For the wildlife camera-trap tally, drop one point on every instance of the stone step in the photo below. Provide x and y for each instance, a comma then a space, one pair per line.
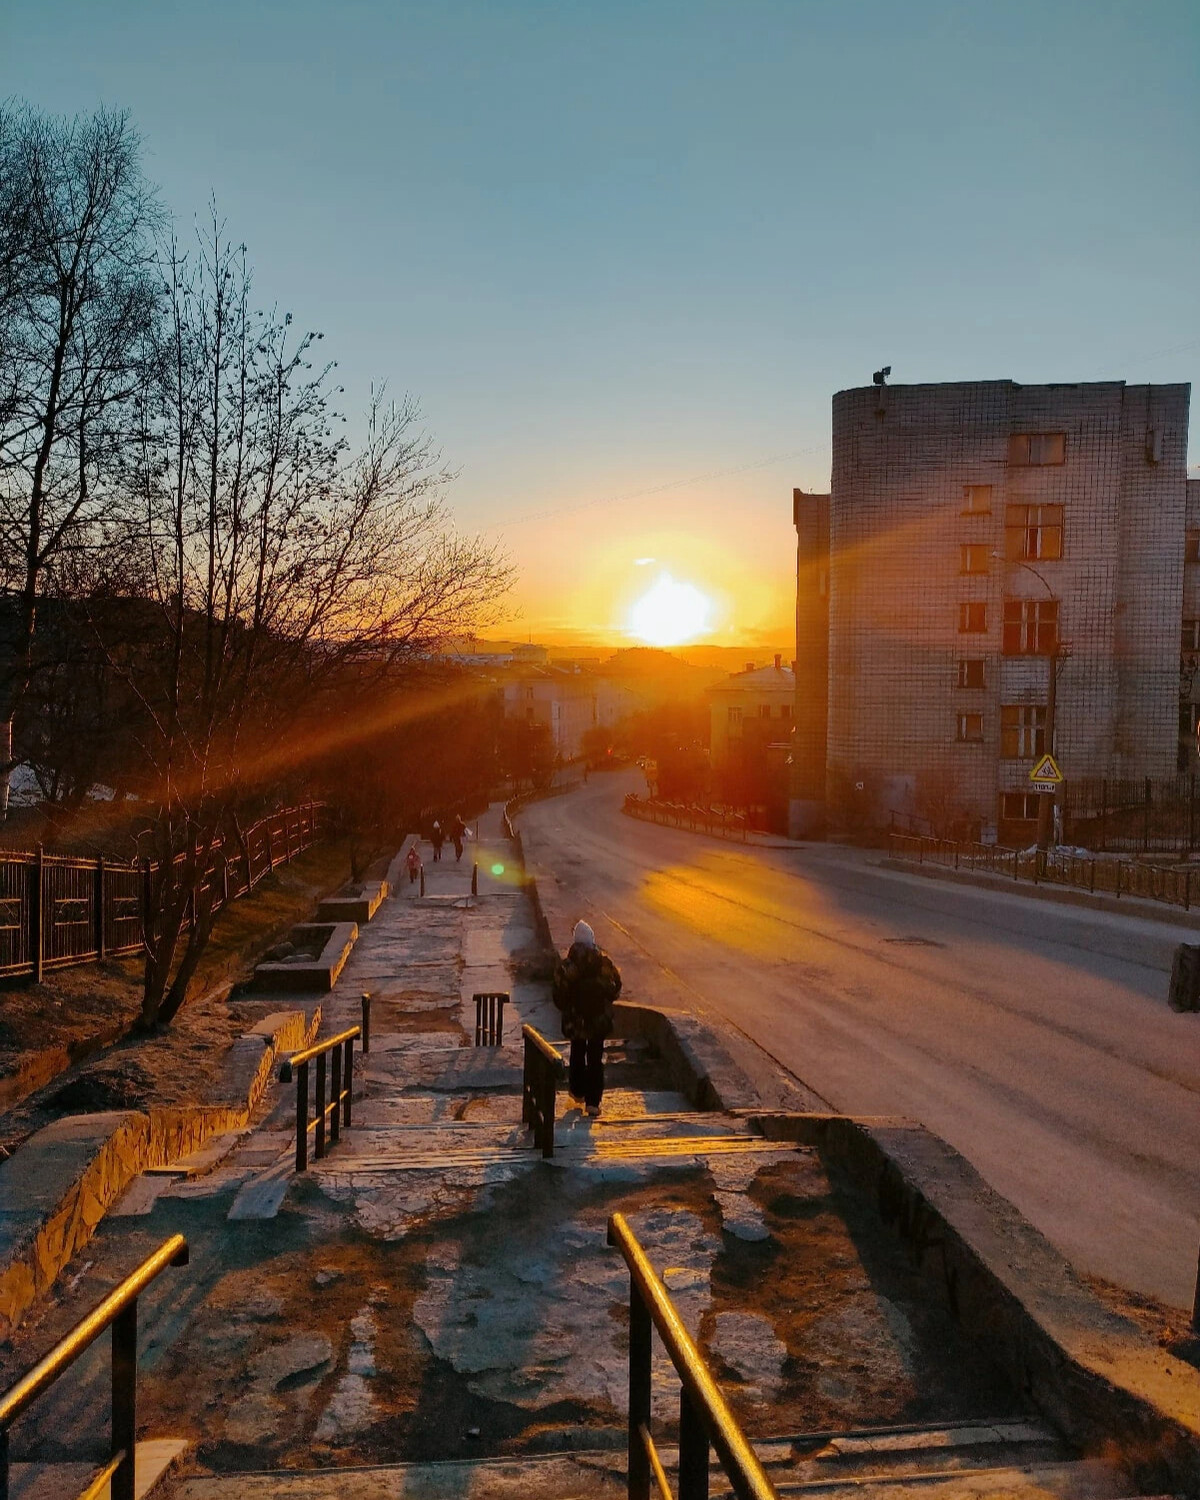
152, 1460
600, 1475
347, 1158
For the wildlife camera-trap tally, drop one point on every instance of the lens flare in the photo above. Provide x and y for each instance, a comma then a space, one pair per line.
670, 613
497, 869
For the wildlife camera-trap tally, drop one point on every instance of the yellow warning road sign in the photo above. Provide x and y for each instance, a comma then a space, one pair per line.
1047, 770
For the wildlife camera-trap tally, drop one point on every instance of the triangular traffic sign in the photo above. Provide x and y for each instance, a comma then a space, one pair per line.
1046, 770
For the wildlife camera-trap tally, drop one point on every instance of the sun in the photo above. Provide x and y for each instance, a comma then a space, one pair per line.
670, 613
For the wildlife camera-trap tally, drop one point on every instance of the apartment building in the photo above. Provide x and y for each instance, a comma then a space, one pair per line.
757, 703
569, 701
975, 534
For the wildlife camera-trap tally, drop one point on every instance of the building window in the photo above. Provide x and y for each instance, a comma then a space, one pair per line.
764, 710
1037, 448
786, 711
1191, 547
972, 619
1190, 640
970, 672
972, 558
1022, 730
734, 717
1030, 627
970, 728
1033, 531
977, 500
1019, 807
1189, 716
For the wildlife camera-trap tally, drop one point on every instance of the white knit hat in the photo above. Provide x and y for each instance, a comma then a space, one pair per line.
584, 934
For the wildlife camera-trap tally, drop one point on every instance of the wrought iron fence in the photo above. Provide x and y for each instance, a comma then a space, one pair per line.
1082, 872
1147, 815
58, 910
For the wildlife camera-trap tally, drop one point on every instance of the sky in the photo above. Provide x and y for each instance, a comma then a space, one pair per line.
624, 251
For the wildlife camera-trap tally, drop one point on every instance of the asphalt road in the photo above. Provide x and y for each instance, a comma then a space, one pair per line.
1035, 1038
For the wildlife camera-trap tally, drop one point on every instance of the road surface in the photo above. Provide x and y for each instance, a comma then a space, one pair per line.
1035, 1038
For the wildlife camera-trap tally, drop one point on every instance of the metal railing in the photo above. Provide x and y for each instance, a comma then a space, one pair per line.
704, 1417
718, 821
539, 1087
58, 910
489, 1018
1081, 872
334, 1056
119, 1311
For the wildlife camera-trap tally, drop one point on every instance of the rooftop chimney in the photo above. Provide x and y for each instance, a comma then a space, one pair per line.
749, 666
778, 661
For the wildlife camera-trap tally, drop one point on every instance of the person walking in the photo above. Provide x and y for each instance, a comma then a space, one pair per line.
413, 861
586, 983
458, 832
437, 838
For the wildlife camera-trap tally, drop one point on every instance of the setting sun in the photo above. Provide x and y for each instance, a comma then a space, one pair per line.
670, 613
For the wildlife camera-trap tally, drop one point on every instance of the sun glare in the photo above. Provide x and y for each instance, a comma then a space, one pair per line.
670, 613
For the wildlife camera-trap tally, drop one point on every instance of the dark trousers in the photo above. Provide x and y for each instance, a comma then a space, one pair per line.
585, 1076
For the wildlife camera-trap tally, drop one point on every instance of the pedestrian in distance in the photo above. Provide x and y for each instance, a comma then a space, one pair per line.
586, 984
437, 838
413, 861
458, 832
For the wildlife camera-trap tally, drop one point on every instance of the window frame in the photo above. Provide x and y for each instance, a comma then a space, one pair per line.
965, 722
965, 608
1022, 447
969, 494
1030, 627
965, 663
1022, 731
971, 553
1186, 648
1033, 531
1026, 799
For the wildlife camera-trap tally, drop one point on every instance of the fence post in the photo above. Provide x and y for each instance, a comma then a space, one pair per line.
319, 1109
38, 922
639, 1393
124, 1400
348, 1080
100, 906
335, 1097
366, 1021
693, 1451
302, 1118
475, 880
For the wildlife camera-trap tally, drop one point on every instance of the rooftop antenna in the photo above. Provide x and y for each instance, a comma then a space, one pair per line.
880, 376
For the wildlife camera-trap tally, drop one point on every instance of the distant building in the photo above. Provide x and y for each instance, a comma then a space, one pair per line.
568, 701
756, 704
972, 530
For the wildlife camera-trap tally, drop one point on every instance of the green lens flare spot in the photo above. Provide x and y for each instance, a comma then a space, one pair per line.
497, 869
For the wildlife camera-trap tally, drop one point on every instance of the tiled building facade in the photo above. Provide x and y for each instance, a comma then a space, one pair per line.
973, 529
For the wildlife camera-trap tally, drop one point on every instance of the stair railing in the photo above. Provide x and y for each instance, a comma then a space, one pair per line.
328, 1118
118, 1311
704, 1418
489, 1018
539, 1089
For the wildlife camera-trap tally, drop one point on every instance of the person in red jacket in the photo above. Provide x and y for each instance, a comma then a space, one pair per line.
586, 985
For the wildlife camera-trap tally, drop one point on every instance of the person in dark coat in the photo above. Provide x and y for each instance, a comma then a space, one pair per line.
437, 838
586, 983
458, 832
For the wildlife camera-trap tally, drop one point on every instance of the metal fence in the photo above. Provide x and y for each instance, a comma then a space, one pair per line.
720, 821
58, 910
1081, 872
1147, 814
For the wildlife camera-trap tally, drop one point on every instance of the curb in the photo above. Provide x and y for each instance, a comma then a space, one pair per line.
1121, 906
1092, 1373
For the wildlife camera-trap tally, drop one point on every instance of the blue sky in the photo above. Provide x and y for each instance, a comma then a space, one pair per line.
624, 253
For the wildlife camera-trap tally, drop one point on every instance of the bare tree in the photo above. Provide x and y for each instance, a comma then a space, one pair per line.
277, 558
76, 299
